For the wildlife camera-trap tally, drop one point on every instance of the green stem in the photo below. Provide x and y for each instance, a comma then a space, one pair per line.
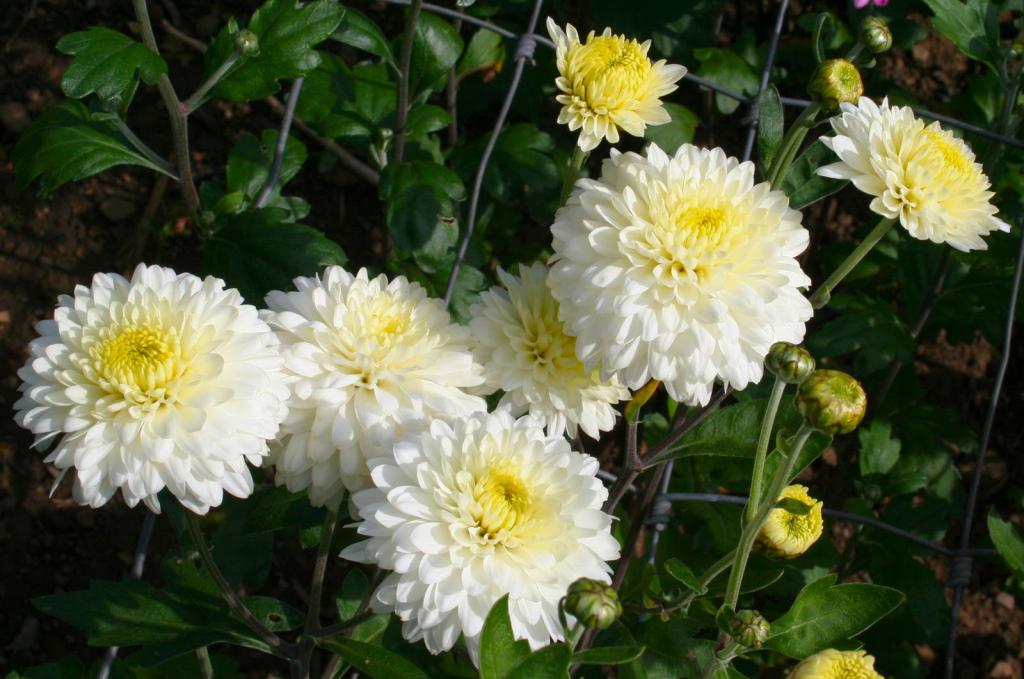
277, 645
316, 591
576, 160
713, 571
405, 59
198, 97
776, 173
205, 666
160, 165
721, 660
767, 422
823, 294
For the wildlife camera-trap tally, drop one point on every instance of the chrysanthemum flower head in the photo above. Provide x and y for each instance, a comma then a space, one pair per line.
164, 380
468, 512
679, 269
833, 664
609, 83
922, 175
525, 352
364, 358
787, 534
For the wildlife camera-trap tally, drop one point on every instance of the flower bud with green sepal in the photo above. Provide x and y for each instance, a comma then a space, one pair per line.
837, 81
831, 402
791, 363
749, 628
875, 35
595, 604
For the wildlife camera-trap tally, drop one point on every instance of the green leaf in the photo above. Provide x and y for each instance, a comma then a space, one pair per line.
436, 47
470, 282
811, 451
1008, 541
678, 131
359, 31
879, 451
770, 125
803, 185
258, 251
485, 51
353, 591
550, 662
731, 431
868, 326
681, 572
729, 70
287, 32
108, 63
500, 652
825, 614
373, 660
250, 161
971, 25
609, 655
793, 506
419, 196
425, 119
67, 144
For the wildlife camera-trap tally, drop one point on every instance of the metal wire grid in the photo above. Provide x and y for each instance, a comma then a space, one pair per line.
658, 516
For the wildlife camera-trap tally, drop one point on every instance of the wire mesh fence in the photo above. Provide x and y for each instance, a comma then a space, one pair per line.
658, 515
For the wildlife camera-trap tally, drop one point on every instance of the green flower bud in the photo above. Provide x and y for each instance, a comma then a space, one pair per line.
595, 604
247, 43
789, 362
749, 628
1017, 46
831, 402
836, 81
875, 35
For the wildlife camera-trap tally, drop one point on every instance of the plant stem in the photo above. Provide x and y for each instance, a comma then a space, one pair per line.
205, 666
344, 625
721, 660
776, 172
316, 590
763, 439
823, 294
277, 645
198, 97
663, 451
179, 122
713, 571
629, 469
405, 59
160, 165
576, 160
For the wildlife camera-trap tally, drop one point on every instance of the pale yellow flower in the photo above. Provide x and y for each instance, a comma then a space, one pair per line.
609, 83
833, 664
788, 535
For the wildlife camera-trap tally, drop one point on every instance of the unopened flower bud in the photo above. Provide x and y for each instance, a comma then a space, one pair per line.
247, 42
786, 534
875, 34
1017, 46
749, 628
831, 402
595, 604
791, 363
836, 81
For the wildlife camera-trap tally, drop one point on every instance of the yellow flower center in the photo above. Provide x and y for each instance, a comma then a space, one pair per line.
852, 666
503, 502
952, 154
608, 71
800, 527
702, 225
138, 358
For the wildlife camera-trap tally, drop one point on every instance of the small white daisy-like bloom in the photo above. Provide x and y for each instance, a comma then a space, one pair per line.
166, 380
525, 352
364, 357
679, 269
609, 83
468, 512
921, 175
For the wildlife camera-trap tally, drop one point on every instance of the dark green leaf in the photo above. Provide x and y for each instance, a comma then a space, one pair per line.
485, 51
971, 25
729, 70
867, 325
1008, 541
825, 613
250, 161
681, 572
500, 652
426, 119
470, 282
258, 251
66, 144
803, 185
770, 125
730, 431
818, 35
608, 655
373, 660
353, 591
359, 31
287, 32
678, 131
793, 506
435, 49
419, 197
879, 451
811, 451
108, 63
550, 662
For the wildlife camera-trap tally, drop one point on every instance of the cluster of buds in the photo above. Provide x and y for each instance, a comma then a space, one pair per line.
749, 628
594, 604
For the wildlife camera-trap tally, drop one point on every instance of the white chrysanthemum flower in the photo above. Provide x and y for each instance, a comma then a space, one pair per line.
609, 83
526, 353
364, 358
466, 513
922, 175
166, 380
679, 269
